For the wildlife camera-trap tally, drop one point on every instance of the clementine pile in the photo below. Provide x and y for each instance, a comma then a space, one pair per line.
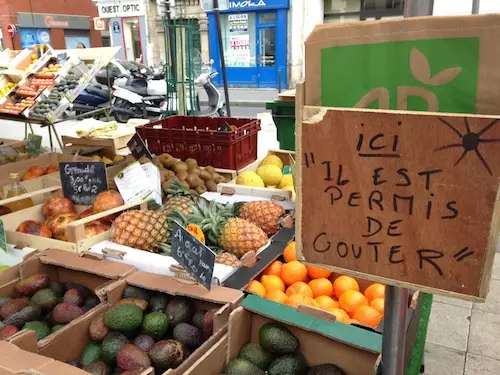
321, 287
289, 254
274, 269
293, 271
299, 287
277, 296
271, 282
368, 316
257, 288
299, 299
351, 300
326, 303
343, 283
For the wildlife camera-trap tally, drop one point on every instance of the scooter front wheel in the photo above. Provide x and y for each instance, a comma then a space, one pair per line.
119, 115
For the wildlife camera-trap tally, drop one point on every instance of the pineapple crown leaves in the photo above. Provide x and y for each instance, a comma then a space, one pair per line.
176, 189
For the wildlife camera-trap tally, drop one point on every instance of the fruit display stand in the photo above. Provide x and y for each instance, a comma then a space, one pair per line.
75, 230
71, 344
238, 184
70, 271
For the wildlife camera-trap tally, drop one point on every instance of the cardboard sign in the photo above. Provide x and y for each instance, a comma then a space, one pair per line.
405, 198
138, 148
139, 182
34, 144
438, 64
82, 181
193, 255
3, 237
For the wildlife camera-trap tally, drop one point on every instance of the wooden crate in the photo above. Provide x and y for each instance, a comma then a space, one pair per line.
231, 188
108, 147
77, 242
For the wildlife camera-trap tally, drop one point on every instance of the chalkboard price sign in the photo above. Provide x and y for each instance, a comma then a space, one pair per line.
82, 181
34, 144
193, 255
138, 148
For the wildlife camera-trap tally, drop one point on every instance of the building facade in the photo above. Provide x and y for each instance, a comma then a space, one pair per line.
60, 23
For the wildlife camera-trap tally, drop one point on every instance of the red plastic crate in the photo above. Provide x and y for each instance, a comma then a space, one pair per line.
197, 137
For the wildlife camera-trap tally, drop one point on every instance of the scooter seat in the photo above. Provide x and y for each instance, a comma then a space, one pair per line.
97, 91
143, 91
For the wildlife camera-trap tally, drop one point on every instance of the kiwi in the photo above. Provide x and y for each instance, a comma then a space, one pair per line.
205, 175
185, 184
144, 160
169, 163
192, 163
201, 189
218, 178
180, 167
192, 191
210, 169
211, 185
165, 175
193, 181
159, 164
182, 175
196, 171
165, 156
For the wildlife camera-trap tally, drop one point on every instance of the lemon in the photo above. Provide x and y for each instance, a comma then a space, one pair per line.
292, 189
287, 180
270, 174
249, 178
272, 160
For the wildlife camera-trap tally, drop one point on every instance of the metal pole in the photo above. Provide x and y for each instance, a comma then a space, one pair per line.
221, 55
170, 39
394, 336
475, 6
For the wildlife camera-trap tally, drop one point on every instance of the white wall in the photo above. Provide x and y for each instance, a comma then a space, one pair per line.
464, 7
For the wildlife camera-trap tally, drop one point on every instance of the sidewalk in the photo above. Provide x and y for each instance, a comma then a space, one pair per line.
247, 97
464, 337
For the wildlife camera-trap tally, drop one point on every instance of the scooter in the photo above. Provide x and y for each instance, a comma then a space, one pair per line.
216, 104
91, 99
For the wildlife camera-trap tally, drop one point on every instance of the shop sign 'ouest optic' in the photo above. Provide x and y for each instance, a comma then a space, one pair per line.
112, 8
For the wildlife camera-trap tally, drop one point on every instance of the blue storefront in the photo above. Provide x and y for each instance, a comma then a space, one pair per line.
254, 35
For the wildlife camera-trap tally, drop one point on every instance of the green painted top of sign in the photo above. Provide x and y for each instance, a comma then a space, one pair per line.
34, 144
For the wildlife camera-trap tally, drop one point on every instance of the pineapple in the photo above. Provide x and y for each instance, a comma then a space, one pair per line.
221, 229
179, 198
265, 214
143, 230
228, 259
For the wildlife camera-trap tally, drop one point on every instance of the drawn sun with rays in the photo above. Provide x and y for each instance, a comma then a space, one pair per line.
470, 141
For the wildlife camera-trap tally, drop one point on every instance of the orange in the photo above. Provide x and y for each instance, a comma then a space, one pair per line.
351, 300
375, 290
368, 316
274, 268
343, 283
299, 299
299, 288
289, 254
293, 271
318, 273
321, 287
354, 321
378, 304
277, 296
326, 303
271, 282
257, 288
341, 315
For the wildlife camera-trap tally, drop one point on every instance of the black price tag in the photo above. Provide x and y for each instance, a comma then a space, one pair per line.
82, 181
34, 144
3, 237
193, 255
138, 148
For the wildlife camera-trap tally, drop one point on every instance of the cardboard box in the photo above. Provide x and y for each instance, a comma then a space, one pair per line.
231, 188
77, 243
353, 349
61, 266
70, 344
109, 147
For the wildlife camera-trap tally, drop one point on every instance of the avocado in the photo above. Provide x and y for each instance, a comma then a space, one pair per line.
41, 329
97, 368
85, 292
187, 334
197, 320
136, 301
179, 310
276, 339
32, 284
56, 328
45, 298
144, 342
208, 324
158, 303
98, 330
126, 317
13, 306
239, 366
293, 364
130, 357
254, 353
134, 292
155, 324
167, 354
75, 364
91, 302
91, 353
73, 297
326, 369
64, 313
28, 314
110, 346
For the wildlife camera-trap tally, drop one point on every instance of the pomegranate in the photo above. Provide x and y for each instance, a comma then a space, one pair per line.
56, 206
59, 225
33, 172
95, 228
107, 200
34, 227
88, 212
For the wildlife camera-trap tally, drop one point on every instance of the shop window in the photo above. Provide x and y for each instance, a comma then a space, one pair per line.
239, 39
382, 4
267, 17
132, 39
76, 39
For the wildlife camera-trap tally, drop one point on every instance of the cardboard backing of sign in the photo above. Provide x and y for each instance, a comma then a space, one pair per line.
440, 64
404, 198
69, 345
61, 266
